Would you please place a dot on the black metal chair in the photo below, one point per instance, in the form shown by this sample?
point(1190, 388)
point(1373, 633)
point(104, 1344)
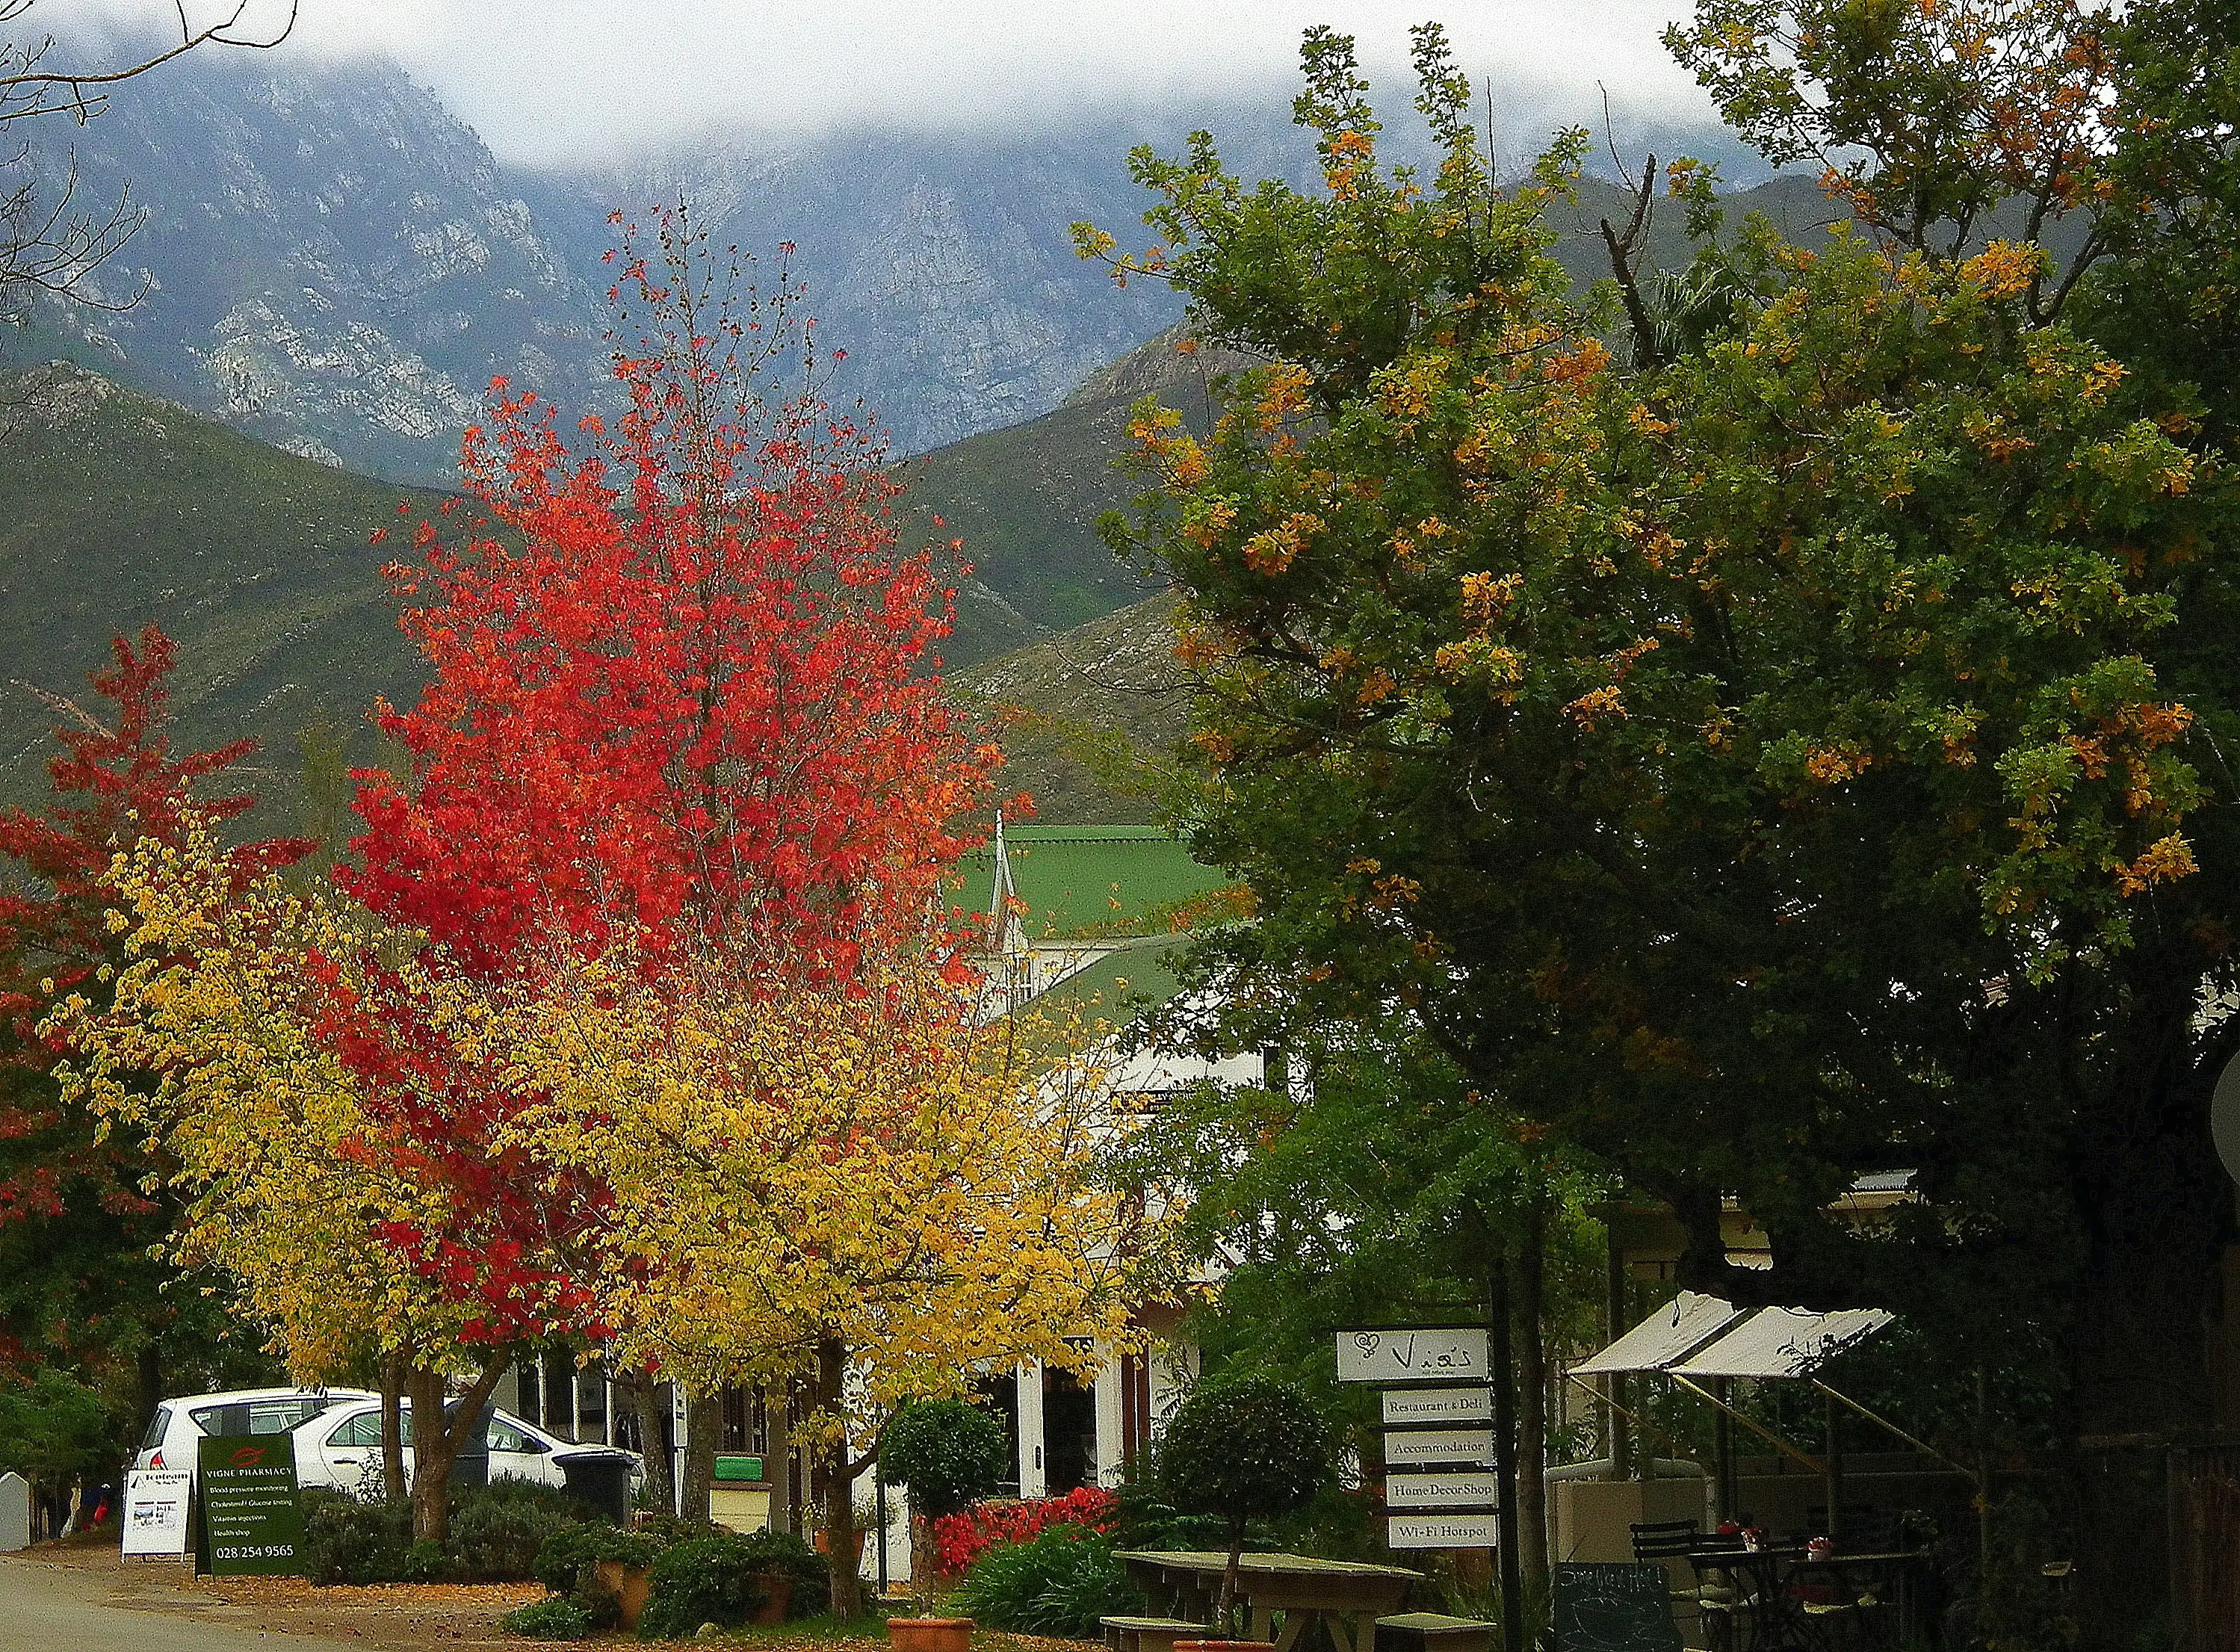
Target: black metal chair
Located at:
point(1714, 1597)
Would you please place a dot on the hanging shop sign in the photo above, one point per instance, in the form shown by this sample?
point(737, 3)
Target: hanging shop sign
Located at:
point(1412, 1353)
point(1442, 1531)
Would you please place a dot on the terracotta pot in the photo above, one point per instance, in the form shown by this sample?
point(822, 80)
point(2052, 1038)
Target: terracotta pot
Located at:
point(930, 1634)
point(824, 1543)
point(780, 1587)
point(630, 1585)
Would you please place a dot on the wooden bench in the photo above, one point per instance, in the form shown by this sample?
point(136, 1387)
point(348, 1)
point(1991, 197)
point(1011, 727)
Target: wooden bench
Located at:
point(1150, 1634)
point(1432, 1632)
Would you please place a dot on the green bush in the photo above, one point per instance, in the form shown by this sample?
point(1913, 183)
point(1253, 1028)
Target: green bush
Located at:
point(720, 1579)
point(565, 1565)
point(950, 1454)
point(1060, 1583)
point(1243, 1448)
point(554, 1618)
point(499, 1530)
point(349, 1541)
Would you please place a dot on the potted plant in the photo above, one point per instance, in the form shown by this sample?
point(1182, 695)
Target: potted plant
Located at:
point(1242, 1448)
point(949, 1454)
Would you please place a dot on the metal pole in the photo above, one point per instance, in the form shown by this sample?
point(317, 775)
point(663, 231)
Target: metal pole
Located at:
point(1504, 1372)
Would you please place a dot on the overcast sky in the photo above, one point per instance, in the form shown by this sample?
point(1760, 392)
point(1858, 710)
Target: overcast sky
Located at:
point(571, 80)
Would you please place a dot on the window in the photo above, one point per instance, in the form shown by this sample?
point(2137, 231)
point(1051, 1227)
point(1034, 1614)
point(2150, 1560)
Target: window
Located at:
point(156, 1424)
point(504, 1436)
point(362, 1431)
point(259, 1416)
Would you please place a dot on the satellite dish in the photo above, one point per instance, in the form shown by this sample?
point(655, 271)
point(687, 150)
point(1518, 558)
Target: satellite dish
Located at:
point(2224, 1117)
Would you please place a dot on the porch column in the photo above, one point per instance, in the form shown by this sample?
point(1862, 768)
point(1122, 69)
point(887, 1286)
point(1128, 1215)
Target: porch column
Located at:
point(1111, 1443)
point(1033, 1476)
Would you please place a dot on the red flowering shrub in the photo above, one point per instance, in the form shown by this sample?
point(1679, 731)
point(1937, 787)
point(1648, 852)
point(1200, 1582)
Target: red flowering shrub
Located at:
point(958, 1540)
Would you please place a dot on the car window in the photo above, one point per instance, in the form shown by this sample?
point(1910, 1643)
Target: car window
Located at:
point(156, 1424)
point(278, 1416)
point(363, 1430)
point(504, 1436)
point(259, 1416)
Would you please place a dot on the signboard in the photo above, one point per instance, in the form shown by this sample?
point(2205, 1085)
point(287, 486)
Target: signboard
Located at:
point(1612, 1607)
point(1448, 1491)
point(1438, 1405)
point(250, 1524)
point(1440, 1445)
point(1412, 1354)
point(1442, 1531)
point(156, 1510)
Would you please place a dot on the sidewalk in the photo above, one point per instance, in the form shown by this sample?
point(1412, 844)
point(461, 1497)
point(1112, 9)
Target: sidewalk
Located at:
point(89, 1600)
point(108, 1608)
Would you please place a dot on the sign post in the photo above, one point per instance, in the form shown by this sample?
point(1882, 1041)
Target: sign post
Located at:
point(251, 1523)
point(156, 1511)
point(1439, 1440)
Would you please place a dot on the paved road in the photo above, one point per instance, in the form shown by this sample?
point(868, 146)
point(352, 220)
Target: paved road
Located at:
point(69, 1608)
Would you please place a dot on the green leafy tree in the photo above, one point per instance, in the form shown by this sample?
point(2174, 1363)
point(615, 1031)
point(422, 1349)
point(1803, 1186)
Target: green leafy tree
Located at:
point(950, 1454)
point(1245, 1448)
point(1784, 761)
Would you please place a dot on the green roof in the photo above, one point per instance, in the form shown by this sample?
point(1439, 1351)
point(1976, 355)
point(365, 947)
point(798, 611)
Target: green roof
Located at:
point(1136, 976)
point(1091, 880)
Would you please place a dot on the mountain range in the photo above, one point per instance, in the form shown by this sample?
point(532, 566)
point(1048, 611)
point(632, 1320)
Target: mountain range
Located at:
point(334, 262)
point(332, 268)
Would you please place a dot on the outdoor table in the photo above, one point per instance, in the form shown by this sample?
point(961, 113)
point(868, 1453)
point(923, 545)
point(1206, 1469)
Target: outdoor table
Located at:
point(1772, 1600)
point(1306, 1591)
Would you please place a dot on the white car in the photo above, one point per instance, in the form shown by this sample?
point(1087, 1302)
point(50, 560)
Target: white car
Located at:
point(178, 1424)
point(341, 1446)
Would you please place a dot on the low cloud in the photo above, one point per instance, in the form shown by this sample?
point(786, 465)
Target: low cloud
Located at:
point(569, 81)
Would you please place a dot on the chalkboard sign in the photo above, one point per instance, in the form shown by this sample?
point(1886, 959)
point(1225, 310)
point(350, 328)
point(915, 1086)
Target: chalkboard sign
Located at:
point(1620, 1607)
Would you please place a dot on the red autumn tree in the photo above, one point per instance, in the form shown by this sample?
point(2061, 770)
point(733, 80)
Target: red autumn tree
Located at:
point(680, 684)
point(77, 1288)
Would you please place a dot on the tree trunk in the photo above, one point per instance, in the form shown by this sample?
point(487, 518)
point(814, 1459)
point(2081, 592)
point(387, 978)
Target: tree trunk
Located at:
point(1532, 1396)
point(842, 1562)
point(704, 1430)
point(394, 1486)
point(778, 1406)
point(150, 1363)
point(436, 1438)
point(653, 1412)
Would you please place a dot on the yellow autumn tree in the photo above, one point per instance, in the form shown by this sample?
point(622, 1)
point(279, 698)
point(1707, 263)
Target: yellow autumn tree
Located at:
point(865, 1189)
point(291, 1186)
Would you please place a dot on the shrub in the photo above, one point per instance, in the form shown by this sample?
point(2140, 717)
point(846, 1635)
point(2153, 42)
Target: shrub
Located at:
point(719, 1579)
point(958, 1540)
point(349, 1541)
point(950, 1454)
point(498, 1531)
point(1059, 1583)
point(554, 1618)
point(1242, 1447)
point(566, 1565)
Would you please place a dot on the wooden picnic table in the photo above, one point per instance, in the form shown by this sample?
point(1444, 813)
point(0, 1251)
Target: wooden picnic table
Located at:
point(1346, 1597)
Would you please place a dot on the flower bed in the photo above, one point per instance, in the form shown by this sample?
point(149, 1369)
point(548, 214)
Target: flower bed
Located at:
point(958, 1540)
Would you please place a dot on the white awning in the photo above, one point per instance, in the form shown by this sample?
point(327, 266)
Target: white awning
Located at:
point(1666, 1337)
point(1697, 1337)
point(1783, 1341)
